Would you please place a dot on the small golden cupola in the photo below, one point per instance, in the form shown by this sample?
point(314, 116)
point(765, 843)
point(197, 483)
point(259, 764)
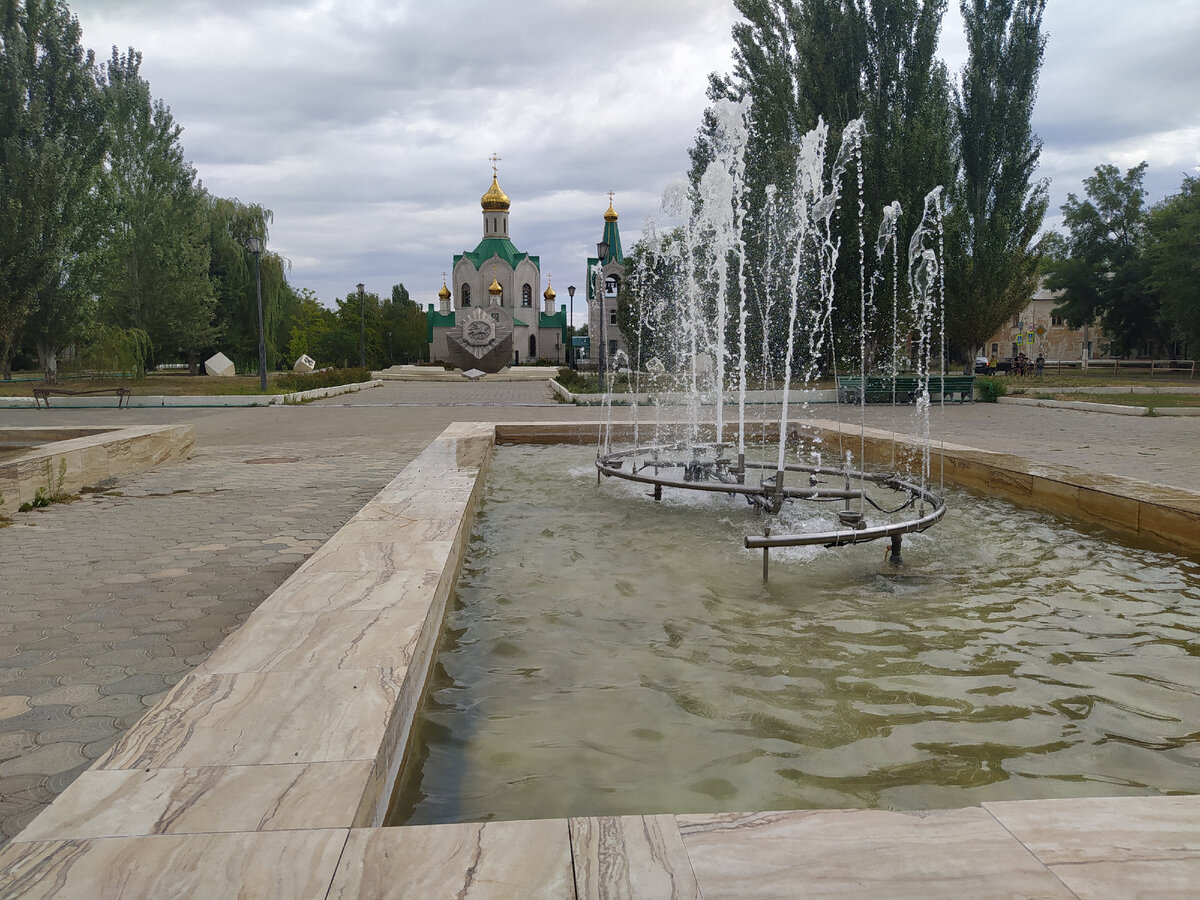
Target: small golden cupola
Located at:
point(444, 293)
point(610, 215)
point(549, 293)
point(495, 200)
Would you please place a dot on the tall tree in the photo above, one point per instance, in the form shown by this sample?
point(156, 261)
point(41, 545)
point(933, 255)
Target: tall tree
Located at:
point(1104, 276)
point(996, 209)
point(51, 145)
point(231, 269)
point(156, 255)
point(837, 60)
point(1173, 262)
point(404, 336)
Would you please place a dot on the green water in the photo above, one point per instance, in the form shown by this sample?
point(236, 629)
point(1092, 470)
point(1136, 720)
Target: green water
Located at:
point(607, 655)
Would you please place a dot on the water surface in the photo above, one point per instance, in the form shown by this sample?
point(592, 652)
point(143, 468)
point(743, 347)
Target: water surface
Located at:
point(607, 655)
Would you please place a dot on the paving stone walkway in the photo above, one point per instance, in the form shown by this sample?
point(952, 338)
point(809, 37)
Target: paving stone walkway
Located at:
point(108, 601)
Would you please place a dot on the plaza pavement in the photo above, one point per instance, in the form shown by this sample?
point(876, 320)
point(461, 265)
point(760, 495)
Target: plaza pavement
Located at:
point(107, 601)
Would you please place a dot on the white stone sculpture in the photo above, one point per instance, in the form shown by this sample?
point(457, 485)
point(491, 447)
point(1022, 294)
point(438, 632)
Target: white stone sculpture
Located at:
point(305, 364)
point(220, 365)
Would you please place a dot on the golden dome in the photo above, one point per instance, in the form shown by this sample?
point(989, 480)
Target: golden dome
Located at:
point(444, 293)
point(610, 214)
point(494, 288)
point(494, 199)
point(549, 294)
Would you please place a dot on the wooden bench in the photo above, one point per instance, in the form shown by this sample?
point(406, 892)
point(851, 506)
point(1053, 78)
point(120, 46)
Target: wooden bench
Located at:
point(903, 388)
point(43, 394)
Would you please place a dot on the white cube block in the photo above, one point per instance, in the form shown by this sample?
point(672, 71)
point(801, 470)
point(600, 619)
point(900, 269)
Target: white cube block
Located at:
point(304, 364)
point(221, 365)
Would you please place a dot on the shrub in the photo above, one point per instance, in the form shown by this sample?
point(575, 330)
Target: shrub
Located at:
point(300, 381)
point(576, 382)
point(990, 389)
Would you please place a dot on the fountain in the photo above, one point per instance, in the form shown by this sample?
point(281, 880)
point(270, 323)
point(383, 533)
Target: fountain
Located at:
point(695, 354)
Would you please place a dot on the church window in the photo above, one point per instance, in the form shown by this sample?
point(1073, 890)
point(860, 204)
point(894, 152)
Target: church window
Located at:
point(465, 294)
point(532, 347)
point(612, 317)
point(527, 296)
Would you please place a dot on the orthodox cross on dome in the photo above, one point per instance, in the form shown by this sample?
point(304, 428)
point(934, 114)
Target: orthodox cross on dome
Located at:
point(610, 198)
point(495, 159)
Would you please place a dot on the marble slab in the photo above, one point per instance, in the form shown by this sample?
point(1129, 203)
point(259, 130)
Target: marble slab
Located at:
point(180, 867)
point(317, 592)
point(320, 715)
point(474, 861)
point(342, 639)
point(1104, 829)
point(132, 802)
point(627, 857)
point(862, 853)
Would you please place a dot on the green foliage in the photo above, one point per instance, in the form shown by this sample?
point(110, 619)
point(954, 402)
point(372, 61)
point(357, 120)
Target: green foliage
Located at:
point(297, 381)
point(235, 281)
point(990, 389)
point(155, 270)
point(113, 349)
point(1173, 262)
point(576, 382)
point(838, 60)
point(992, 267)
point(51, 147)
point(50, 492)
point(1105, 275)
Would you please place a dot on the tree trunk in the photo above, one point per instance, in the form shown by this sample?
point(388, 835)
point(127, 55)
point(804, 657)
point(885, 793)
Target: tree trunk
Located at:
point(6, 350)
point(193, 364)
point(48, 360)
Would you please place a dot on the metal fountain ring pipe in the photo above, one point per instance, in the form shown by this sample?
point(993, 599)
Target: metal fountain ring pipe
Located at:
point(846, 536)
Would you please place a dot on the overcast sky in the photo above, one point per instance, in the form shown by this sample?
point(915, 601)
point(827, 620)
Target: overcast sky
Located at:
point(366, 125)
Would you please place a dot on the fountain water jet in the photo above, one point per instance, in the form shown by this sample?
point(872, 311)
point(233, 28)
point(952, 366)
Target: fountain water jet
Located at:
point(696, 322)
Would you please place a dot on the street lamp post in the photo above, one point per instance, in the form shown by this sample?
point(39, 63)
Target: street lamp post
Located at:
point(254, 245)
point(571, 329)
point(362, 328)
point(601, 254)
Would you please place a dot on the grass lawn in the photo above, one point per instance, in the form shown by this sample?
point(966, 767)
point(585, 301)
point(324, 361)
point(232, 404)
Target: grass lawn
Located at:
point(160, 384)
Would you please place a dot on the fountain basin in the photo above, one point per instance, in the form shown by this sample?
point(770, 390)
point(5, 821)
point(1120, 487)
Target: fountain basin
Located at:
point(269, 769)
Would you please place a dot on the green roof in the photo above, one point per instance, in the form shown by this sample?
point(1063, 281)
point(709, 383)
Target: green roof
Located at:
point(555, 320)
point(501, 247)
point(438, 320)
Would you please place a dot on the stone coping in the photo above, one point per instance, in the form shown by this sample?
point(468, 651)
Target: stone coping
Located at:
point(268, 769)
point(70, 458)
point(1114, 409)
point(151, 401)
point(436, 373)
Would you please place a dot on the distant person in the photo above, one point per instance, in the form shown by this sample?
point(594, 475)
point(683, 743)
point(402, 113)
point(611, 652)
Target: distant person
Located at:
point(992, 363)
point(1040, 362)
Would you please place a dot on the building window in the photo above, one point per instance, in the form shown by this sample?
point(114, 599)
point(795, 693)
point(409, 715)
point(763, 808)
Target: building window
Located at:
point(532, 347)
point(464, 294)
point(612, 348)
point(1056, 320)
point(612, 317)
point(526, 296)
point(611, 285)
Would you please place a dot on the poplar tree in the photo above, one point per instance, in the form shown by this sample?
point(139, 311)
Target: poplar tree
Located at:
point(996, 207)
point(156, 254)
point(837, 60)
point(51, 146)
